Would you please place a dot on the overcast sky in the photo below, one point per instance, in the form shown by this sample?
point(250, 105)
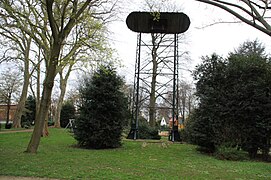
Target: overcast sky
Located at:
point(220, 38)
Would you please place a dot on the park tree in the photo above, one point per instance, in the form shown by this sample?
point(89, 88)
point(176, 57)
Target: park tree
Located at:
point(250, 48)
point(50, 24)
point(103, 112)
point(234, 101)
point(210, 83)
point(35, 81)
point(61, 22)
point(251, 91)
point(17, 49)
point(252, 12)
point(25, 50)
point(88, 44)
point(186, 99)
point(10, 84)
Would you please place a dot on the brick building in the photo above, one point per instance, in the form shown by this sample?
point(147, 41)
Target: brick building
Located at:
point(3, 112)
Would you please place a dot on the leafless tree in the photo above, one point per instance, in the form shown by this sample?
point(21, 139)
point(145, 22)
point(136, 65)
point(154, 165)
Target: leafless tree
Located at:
point(186, 99)
point(10, 83)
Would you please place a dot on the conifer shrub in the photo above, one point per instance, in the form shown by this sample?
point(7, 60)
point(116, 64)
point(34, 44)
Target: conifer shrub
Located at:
point(67, 113)
point(145, 131)
point(28, 117)
point(103, 111)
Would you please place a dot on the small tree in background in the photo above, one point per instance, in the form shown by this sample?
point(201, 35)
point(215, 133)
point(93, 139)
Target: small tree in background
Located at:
point(67, 112)
point(146, 131)
point(28, 117)
point(103, 111)
point(10, 84)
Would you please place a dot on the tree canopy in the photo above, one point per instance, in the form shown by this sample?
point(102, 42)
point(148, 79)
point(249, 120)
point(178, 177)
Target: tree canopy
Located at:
point(234, 101)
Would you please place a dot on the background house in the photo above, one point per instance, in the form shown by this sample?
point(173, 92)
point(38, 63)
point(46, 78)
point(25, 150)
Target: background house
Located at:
point(3, 112)
point(178, 122)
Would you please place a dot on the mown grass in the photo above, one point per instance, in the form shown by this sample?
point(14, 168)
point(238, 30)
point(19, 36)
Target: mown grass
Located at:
point(57, 158)
point(2, 129)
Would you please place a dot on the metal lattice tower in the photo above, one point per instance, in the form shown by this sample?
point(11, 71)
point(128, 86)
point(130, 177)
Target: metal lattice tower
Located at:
point(166, 74)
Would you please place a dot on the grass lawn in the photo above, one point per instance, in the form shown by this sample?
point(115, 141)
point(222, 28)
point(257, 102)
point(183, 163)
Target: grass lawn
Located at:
point(57, 158)
point(2, 129)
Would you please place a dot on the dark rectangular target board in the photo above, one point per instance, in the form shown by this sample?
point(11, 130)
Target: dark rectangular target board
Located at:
point(158, 22)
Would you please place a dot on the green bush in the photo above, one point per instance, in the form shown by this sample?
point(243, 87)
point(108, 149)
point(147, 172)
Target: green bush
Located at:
point(184, 135)
point(232, 154)
point(199, 132)
point(145, 131)
point(103, 112)
point(28, 117)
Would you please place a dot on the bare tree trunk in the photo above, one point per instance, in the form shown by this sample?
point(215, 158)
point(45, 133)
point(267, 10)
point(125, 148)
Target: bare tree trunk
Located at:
point(152, 109)
point(45, 100)
point(21, 104)
point(42, 113)
point(59, 106)
point(8, 109)
point(58, 36)
point(63, 85)
point(38, 90)
point(45, 132)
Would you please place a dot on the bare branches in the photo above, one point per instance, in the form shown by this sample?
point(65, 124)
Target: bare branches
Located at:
point(219, 22)
point(248, 11)
point(74, 17)
point(266, 4)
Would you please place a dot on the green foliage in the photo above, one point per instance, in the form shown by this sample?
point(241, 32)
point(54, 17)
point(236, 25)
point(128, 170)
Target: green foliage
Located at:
point(30, 112)
point(67, 112)
point(230, 153)
point(250, 48)
point(234, 102)
point(202, 129)
point(249, 104)
point(145, 131)
point(148, 132)
point(103, 112)
point(199, 131)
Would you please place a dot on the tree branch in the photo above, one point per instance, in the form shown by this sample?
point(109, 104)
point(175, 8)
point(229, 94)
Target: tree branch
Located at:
point(73, 19)
point(265, 27)
point(53, 24)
